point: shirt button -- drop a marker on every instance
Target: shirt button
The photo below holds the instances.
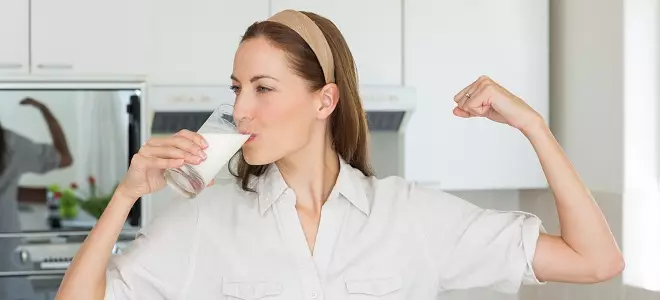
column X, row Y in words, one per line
column 313, row 295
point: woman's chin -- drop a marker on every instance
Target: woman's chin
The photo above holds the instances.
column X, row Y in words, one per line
column 254, row 159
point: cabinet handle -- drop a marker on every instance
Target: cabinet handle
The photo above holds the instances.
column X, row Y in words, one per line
column 42, row 234
column 55, row 66
column 10, row 66
column 26, row 273
column 24, row 256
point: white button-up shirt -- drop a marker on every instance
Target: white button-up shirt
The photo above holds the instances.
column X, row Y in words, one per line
column 377, row 239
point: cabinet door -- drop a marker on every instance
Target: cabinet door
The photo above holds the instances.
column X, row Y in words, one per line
column 14, row 35
column 194, row 41
column 372, row 29
column 89, row 37
column 448, row 44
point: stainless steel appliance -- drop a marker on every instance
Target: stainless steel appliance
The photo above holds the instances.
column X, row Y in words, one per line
column 102, row 123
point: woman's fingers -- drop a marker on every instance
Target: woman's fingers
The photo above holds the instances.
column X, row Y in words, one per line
column 193, row 136
column 149, row 162
column 164, row 163
column 180, row 142
column 164, row 152
column 171, row 153
column 466, row 93
column 461, row 113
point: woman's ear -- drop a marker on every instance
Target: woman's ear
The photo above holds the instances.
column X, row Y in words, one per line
column 329, row 96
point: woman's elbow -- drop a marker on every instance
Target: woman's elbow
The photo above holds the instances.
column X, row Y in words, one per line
column 66, row 161
column 608, row 269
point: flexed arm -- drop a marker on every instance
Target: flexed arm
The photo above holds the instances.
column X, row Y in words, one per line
column 586, row 251
column 56, row 132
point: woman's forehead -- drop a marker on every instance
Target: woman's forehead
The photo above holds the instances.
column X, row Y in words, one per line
column 258, row 57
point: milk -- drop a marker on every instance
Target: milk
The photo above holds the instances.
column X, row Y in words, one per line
column 190, row 180
column 222, row 146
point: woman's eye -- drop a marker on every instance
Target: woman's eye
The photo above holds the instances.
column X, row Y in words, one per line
column 263, row 89
column 234, row 89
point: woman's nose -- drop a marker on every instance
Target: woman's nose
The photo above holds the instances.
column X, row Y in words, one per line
column 242, row 108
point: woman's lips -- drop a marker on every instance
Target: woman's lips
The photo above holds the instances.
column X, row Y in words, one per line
column 252, row 136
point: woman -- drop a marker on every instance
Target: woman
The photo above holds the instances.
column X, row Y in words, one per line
column 307, row 220
column 18, row 156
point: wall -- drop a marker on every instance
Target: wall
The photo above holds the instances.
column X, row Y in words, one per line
column 641, row 103
column 603, row 83
column 586, row 84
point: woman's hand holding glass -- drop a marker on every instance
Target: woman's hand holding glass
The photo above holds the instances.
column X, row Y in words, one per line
column 146, row 172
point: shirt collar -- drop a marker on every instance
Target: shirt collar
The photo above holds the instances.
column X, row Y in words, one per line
column 271, row 186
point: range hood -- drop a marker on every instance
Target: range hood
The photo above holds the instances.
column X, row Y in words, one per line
column 168, row 122
column 174, row 108
column 388, row 107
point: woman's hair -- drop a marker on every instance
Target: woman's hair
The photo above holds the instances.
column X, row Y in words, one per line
column 348, row 123
column 3, row 150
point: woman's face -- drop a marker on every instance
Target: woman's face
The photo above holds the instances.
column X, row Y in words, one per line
column 272, row 103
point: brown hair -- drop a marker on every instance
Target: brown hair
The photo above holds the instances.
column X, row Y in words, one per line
column 348, row 123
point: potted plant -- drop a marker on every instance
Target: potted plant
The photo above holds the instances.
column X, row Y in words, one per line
column 68, row 202
column 93, row 203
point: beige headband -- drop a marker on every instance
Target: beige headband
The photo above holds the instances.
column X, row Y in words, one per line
column 312, row 34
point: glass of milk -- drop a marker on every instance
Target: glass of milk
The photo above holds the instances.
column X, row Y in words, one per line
column 224, row 141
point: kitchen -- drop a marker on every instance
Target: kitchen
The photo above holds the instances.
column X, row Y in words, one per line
column 144, row 58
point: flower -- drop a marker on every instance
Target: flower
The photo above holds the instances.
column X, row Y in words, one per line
column 74, row 186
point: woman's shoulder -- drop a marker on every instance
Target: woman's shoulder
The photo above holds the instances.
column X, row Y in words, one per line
column 402, row 195
column 403, row 189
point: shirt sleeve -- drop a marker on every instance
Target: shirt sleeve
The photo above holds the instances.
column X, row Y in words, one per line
column 158, row 262
column 35, row 157
column 475, row 247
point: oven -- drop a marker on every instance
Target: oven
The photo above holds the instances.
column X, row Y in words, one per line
column 44, row 222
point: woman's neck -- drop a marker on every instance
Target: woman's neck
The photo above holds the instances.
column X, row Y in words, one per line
column 311, row 173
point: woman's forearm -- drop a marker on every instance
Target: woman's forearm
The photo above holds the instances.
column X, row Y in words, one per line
column 59, row 139
column 583, row 226
column 85, row 277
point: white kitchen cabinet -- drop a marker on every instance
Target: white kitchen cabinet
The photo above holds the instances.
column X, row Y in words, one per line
column 194, row 41
column 447, row 45
column 14, row 35
column 372, row 29
column 89, row 37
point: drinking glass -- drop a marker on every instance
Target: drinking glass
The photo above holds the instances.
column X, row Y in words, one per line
column 223, row 141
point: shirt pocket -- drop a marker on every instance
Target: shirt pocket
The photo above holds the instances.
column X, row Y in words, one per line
column 374, row 287
column 251, row 289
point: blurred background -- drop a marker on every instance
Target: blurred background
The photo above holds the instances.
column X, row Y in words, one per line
column 92, row 80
